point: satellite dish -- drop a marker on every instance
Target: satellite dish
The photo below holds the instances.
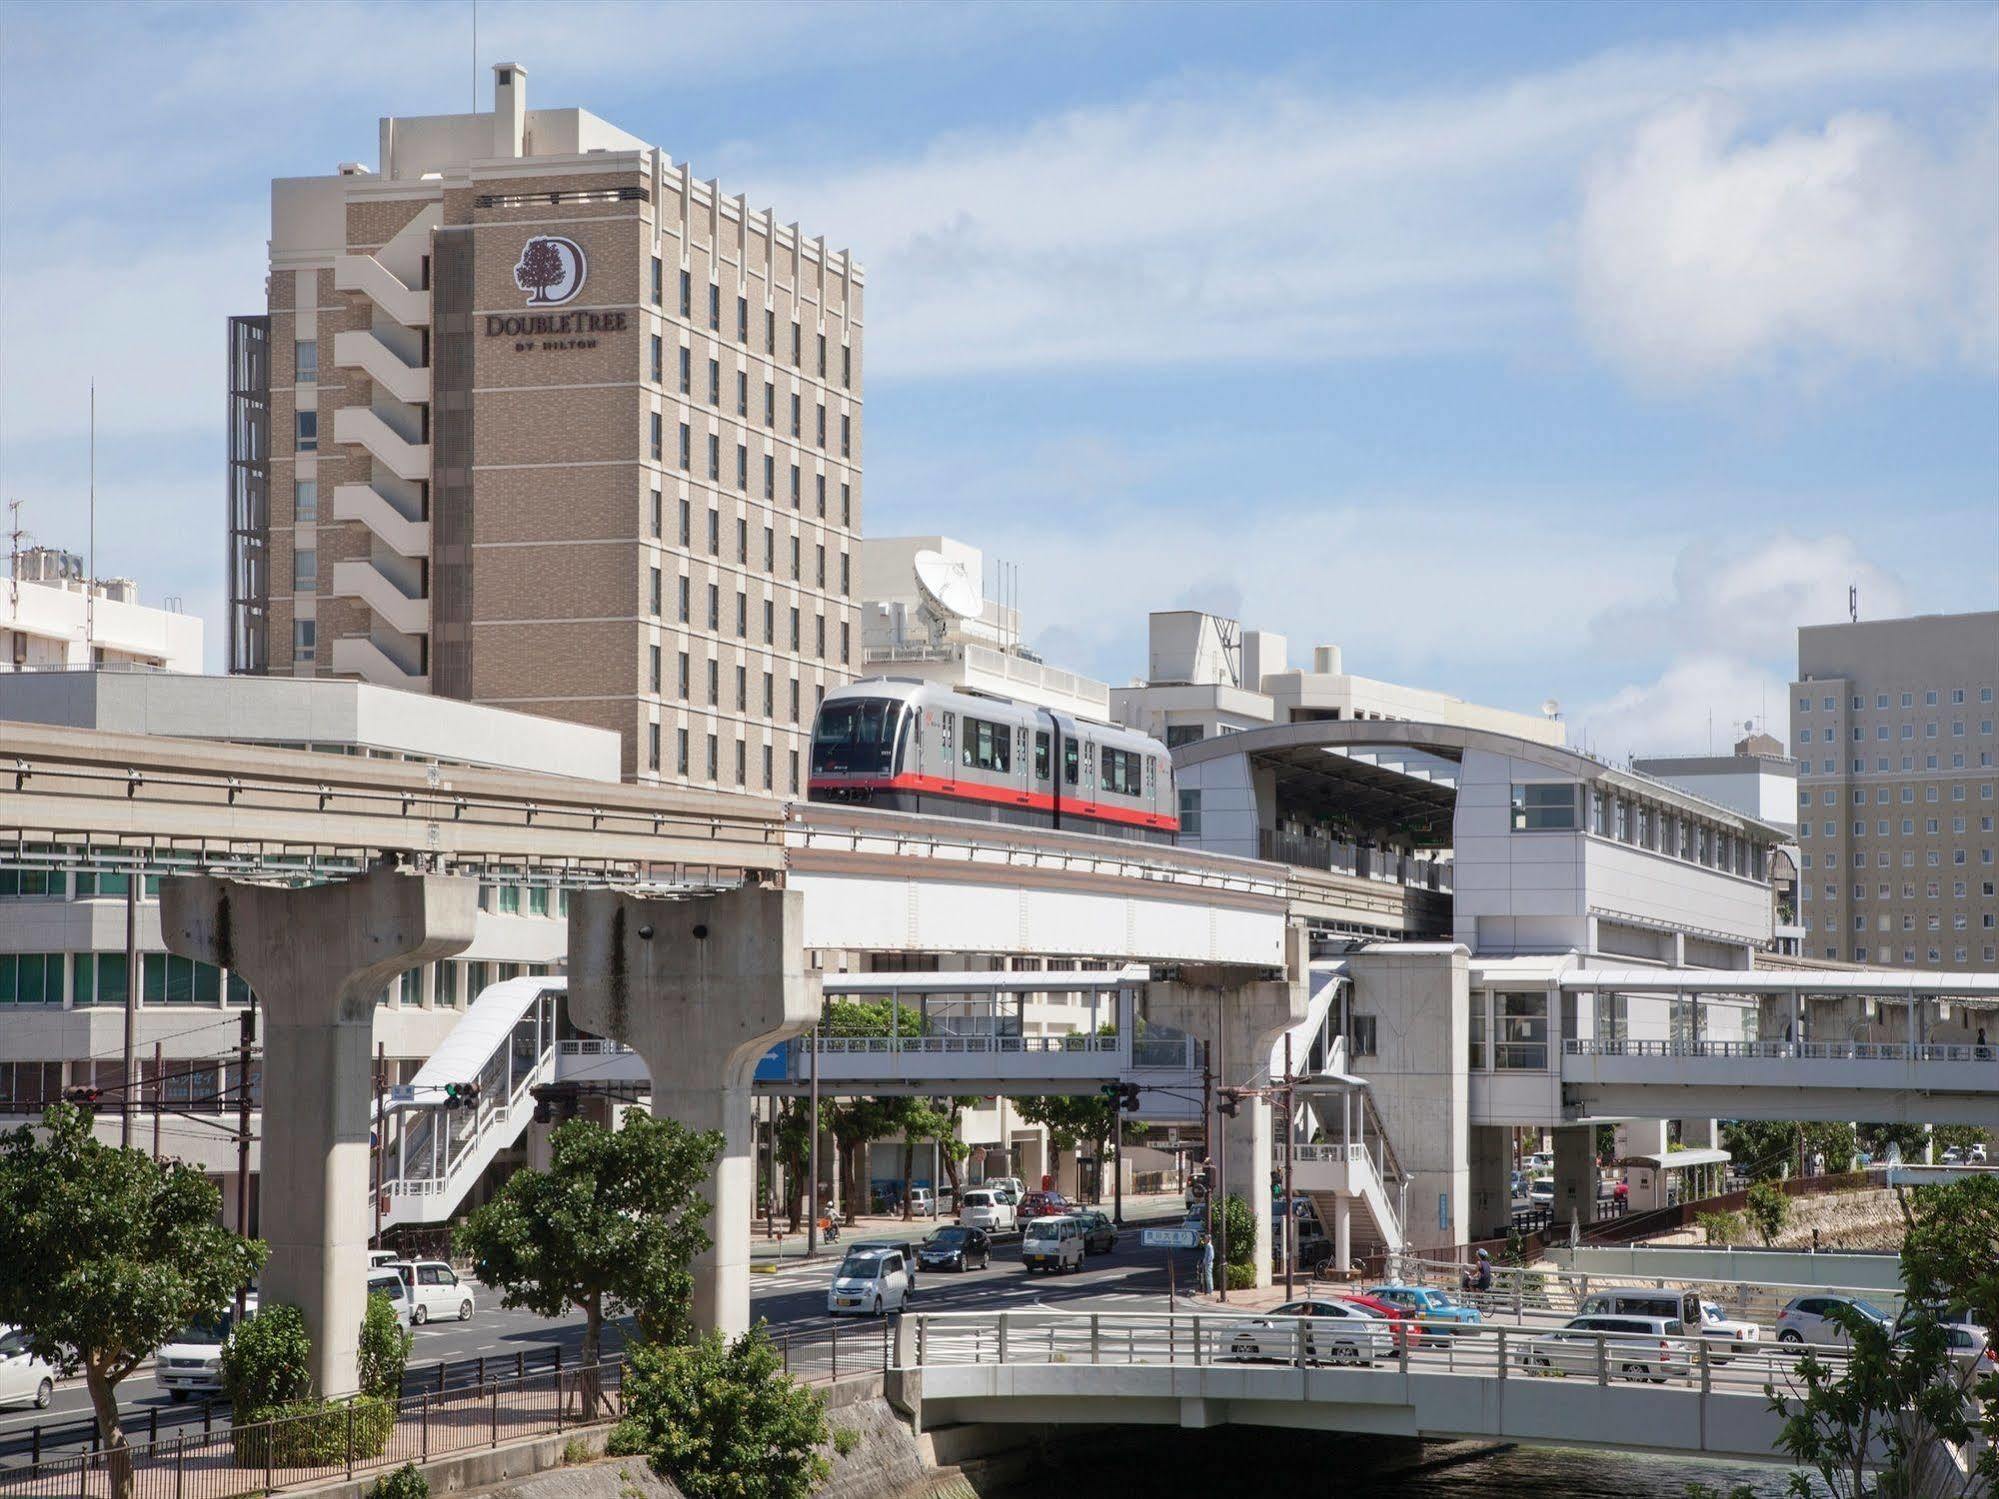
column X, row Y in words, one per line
column 1550, row 708
column 947, row 590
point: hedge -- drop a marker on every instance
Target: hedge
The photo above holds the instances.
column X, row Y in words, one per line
column 313, row 1433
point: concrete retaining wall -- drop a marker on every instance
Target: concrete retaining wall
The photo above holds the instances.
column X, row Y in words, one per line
column 1881, row 1272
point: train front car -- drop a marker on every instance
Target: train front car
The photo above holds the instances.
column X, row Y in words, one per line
column 921, row 747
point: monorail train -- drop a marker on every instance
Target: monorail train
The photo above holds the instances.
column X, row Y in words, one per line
column 915, row 746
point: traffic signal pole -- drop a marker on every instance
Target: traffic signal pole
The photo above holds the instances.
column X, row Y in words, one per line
column 1290, row 1206
column 134, row 877
column 380, row 1134
column 244, row 1042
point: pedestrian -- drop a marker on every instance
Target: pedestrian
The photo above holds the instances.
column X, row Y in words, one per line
column 1983, row 1054
column 1207, row 1266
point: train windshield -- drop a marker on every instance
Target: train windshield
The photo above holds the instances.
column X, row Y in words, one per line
column 856, row 735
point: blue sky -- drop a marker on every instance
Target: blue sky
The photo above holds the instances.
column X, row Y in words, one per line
column 1525, row 351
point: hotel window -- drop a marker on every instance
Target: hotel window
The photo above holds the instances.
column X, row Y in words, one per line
column 686, row 522
column 680, row 751
column 305, row 570
column 305, row 355
column 794, row 772
column 686, row 448
column 683, row 676
column 822, row 356
column 794, row 559
column 305, row 639
column 714, row 683
column 686, row 370
column 767, row 767
column 656, row 593
column 770, row 331
column 819, row 636
column 742, row 393
column 820, row 481
column 714, row 607
column 687, row 293
column 742, row 540
column 714, row 308
column 820, row 564
column 770, row 405
column 308, row 432
column 658, row 438
column 658, row 360
column 742, row 320
column 658, row 281
column 770, row 477
column 796, row 409
column 770, row 623
column 714, row 532
column 715, row 383
column 797, row 347
column 770, row 695
column 305, row 500
column 683, row 599
column 742, row 763
column 658, row 673
column 658, row 516
column 847, row 365
column 794, row 486
column 742, row 467
column 770, row 550
column 652, row 746
column 843, row 575
column 794, row 646
column 845, row 641
column 794, row 691
column 742, row 615
column 714, row 761
column 715, row 456
column 1544, row 807
column 821, row 434
column 1520, row 1026
column 846, row 435
column 742, row 689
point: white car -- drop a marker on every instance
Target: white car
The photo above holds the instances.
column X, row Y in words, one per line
column 1011, row 1185
column 1650, row 1348
column 1724, row 1333
column 987, row 1208
column 1336, row 1332
column 873, row 1280
column 388, row 1281
column 1805, row 1320
column 24, row 1379
column 436, row 1293
column 192, row 1363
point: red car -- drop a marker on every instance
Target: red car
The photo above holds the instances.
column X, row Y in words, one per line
column 1396, row 1315
column 1043, row 1205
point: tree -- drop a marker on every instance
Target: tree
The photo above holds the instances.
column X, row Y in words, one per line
column 1876, row 1138
column 1765, row 1148
column 1767, row 1210
column 611, row 1225
column 722, row 1420
column 384, row 1350
column 1072, row 1119
column 1904, row 1415
column 541, row 267
column 268, row 1360
column 109, row 1254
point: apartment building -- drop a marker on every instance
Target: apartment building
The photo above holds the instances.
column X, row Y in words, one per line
column 537, row 419
column 58, row 618
column 1893, row 728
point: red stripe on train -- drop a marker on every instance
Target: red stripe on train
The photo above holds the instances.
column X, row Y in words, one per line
column 971, row 791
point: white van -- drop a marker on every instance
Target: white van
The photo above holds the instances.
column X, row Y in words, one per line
column 192, row 1363
column 1052, row 1244
column 873, row 1280
column 435, row 1291
column 987, row 1208
column 1683, row 1307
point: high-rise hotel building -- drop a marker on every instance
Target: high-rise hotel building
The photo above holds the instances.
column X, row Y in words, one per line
column 1894, row 725
column 537, row 419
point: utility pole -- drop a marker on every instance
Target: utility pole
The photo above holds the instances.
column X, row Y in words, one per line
column 1290, row 1208
column 812, row 1154
column 380, row 1134
column 1210, row 1167
column 159, row 1093
column 244, row 1042
column 133, row 877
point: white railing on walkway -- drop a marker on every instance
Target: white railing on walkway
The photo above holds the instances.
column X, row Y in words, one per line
column 1808, row 1051
column 965, row 1045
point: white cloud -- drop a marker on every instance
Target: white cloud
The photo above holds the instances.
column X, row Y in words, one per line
column 1702, row 253
column 1728, row 632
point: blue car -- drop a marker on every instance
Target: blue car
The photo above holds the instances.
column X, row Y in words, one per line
column 1427, row 1305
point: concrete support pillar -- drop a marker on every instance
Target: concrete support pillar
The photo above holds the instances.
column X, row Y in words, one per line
column 1491, row 1183
column 1700, row 1134
column 1343, row 1233
column 1641, row 1137
column 1575, row 1176
column 700, row 989
column 1239, row 1019
column 317, row 956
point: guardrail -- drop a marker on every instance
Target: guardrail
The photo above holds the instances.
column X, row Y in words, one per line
column 1808, row 1051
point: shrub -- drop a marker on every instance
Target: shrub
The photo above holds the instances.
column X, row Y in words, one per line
column 405, row 1483
column 313, row 1433
column 384, row 1350
column 1723, row 1228
column 1768, row 1209
column 1233, row 1215
column 722, row 1420
column 268, row 1360
column 1242, row 1277
column 575, row 1451
column 845, row 1440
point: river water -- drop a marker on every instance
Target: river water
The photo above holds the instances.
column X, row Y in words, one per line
column 1557, row 1473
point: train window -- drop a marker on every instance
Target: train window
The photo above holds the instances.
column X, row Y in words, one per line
column 950, row 734
column 1070, row 759
column 1121, row 771
column 986, row 745
column 855, row 735
column 1041, row 755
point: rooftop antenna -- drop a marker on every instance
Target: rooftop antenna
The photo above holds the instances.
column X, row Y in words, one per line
column 14, row 537
column 1853, row 602
column 90, row 582
column 945, row 593
column 475, row 56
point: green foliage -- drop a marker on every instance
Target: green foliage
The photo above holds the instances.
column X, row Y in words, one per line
column 846, row 1440
column 1515, row 1253
column 611, row 1224
column 1242, row 1277
column 1699, row 1490
column 1903, row 1415
column 384, row 1349
column 722, row 1420
column 313, row 1433
column 405, row 1483
column 1957, row 1137
column 1767, row 1210
column 268, row 1360
column 1764, row 1148
column 1234, row 1216
column 1724, row 1228
column 1876, row 1138
column 575, row 1451
column 109, row 1254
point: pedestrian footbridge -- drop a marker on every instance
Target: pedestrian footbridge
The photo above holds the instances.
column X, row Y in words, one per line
column 1449, row 1382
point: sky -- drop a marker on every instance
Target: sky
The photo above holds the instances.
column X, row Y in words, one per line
column 1527, row 352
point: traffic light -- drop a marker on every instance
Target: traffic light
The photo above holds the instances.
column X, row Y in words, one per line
column 88, row 1096
column 1111, row 1090
column 461, row 1095
column 1231, row 1100
column 1129, row 1098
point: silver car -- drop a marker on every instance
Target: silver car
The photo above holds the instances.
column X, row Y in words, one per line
column 1335, row 1332
column 1807, row 1319
column 1650, row 1348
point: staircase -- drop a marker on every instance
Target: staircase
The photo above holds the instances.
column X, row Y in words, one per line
column 437, row 1151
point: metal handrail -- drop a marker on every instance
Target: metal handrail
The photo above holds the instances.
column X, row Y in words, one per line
column 1808, row 1051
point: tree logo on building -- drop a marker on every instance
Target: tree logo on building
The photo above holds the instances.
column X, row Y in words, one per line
column 550, row 270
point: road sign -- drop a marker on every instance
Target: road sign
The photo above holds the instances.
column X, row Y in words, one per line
column 1171, row 1238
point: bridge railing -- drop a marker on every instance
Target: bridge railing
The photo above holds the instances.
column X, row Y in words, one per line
column 1809, row 1051
column 1480, row 1350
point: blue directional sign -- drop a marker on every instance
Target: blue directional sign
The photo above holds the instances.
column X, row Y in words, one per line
column 1171, row 1238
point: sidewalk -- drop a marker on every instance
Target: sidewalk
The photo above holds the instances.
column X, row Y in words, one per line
column 1150, row 1207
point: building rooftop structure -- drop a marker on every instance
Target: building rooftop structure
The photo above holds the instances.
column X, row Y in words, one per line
column 337, row 717
column 56, row 619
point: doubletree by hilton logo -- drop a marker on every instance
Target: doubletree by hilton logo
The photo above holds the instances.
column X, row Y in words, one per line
column 551, row 270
